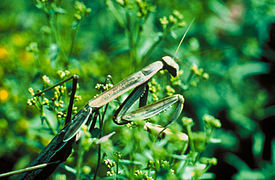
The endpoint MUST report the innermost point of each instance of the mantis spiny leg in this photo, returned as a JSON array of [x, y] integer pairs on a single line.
[[128, 102], [153, 109], [122, 117]]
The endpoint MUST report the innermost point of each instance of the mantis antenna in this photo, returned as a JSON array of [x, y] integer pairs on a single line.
[[183, 37]]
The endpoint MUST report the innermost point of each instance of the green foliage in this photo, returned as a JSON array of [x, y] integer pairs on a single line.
[[46, 41]]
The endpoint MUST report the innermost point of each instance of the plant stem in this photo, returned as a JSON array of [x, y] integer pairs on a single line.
[[99, 146], [75, 30], [117, 161], [189, 78], [50, 126], [189, 132], [98, 161], [130, 33], [52, 23], [11, 173], [47, 120], [80, 154]]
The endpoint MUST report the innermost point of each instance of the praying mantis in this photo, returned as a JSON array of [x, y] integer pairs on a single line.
[[59, 149]]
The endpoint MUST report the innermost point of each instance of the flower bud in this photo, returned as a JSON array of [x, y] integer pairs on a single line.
[[86, 170], [46, 80], [187, 121], [31, 91]]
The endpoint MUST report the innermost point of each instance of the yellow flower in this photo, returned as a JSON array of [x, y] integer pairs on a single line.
[[164, 21], [45, 141], [4, 95], [18, 40], [60, 176], [61, 74], [21, 126], [46, 80], [31, 91], [172, 19], [121, 2], [86, 169], [3, 53], [26, 58]]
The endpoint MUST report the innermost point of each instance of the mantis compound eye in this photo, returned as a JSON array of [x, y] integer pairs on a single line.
[[170, 65]]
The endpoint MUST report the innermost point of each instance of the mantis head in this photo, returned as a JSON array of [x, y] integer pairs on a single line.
[[170, 65]]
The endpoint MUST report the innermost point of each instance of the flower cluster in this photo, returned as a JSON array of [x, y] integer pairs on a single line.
[[50, 7], [81, 10], [209, 161], [87, 140], [139, 174], [211, 121], [161, 165], [103, 87], [63, 74], [175, 19], [32, 47], [154, 87], [199, 73], [169, 90], [198, 142], [142, 7], [58, 102], [110, 164]]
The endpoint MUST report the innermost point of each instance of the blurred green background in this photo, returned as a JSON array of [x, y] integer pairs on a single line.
[[231, 40]]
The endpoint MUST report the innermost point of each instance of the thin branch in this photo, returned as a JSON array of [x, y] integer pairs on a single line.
[[25, 169], [183, 37]]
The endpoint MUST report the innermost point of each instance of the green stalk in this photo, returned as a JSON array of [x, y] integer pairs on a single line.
[[52, 23], [189, 132], [50, 126], [189, 78], [117, 161], [74, 32], [46, 119], [130, 34], [98, 161], [99, 146], [80, 154]]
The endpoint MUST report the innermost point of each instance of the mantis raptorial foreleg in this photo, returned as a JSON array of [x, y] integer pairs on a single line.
[[144, 112], [151, 110]]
